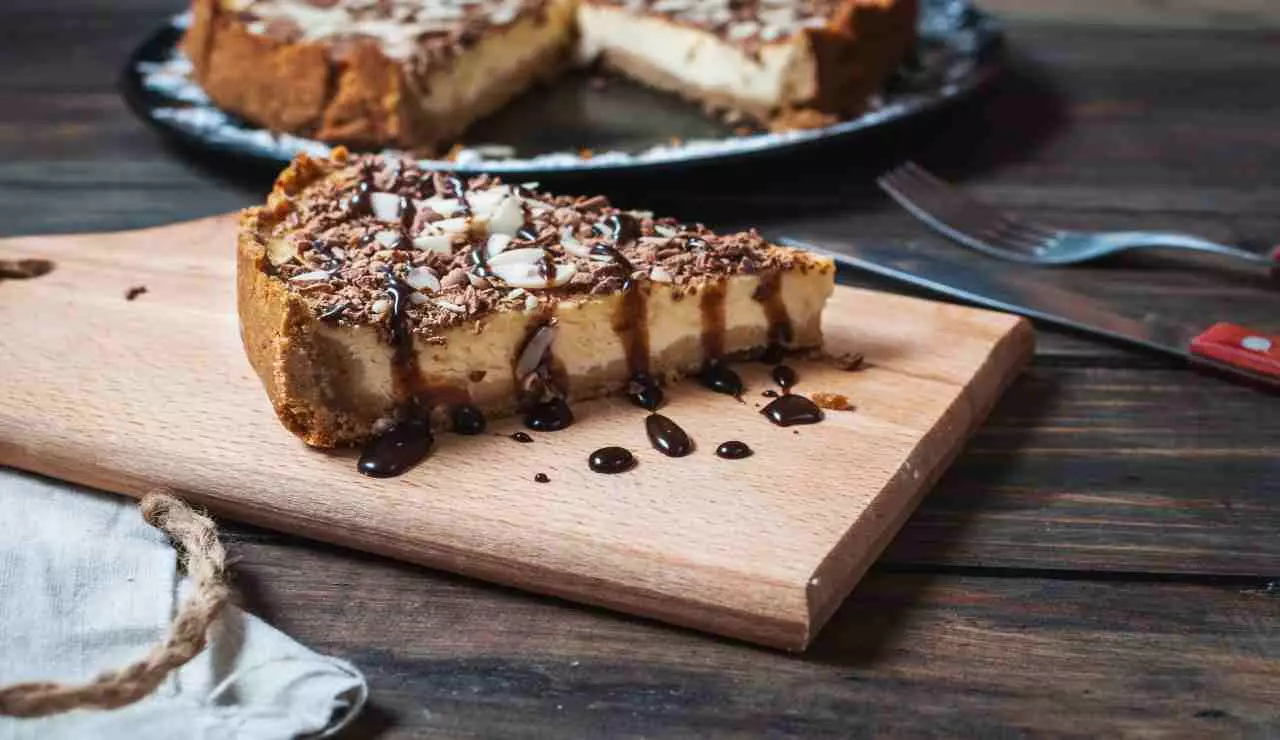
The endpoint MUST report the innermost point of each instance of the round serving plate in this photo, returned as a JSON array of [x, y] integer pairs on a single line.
[[582, 123]]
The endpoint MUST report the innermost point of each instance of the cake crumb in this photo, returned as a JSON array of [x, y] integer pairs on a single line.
[[832, 401], [134, 292], [849, 361]]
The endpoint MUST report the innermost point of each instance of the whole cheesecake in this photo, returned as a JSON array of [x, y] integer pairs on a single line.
[[416, 73], [374, 294]]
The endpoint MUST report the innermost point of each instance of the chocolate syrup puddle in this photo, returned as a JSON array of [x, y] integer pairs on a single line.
[[548, 416], [542, 478], [734, 450], [396, 450], [791, 409], [611, 460], [645, 392], [785, 377], [667, 437], [468, 419]]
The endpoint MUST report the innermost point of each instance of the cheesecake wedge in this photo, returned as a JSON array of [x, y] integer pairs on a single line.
[[373, 293]]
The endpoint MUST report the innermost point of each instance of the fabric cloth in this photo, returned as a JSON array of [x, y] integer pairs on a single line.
[[86, 586]]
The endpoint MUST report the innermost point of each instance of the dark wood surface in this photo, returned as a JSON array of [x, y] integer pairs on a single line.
[[1104, 559]]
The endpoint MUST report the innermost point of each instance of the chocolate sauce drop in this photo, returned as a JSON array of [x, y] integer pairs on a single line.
[[408, 212], [769, 393], [458, 188], [721, 378], [467, 419], [542, 478], [667, 437], [359, 204], [611, 460], [734, 450], [785, 377], [527, 233], [333, 313], [623, 228], [396, 450], [791, 409], [521, 437], [645, 392], [549, 416]]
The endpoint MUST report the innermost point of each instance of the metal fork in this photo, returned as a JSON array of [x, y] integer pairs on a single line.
[[975, 224]]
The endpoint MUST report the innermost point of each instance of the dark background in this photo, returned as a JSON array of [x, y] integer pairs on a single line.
[[1105, 556]]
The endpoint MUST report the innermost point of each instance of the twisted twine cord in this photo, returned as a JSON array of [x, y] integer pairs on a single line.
[[206, 562]]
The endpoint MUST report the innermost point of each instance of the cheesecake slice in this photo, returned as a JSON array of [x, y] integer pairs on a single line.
[[373, 293], [415, 74], [412, 74], [783, 64]]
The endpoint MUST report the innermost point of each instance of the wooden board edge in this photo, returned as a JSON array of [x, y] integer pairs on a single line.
[[836, 577]]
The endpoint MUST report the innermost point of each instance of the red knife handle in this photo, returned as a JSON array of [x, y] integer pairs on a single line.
[[1240, 348]]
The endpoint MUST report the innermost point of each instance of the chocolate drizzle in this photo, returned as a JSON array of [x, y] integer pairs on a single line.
[[458, 189], [333, 313], [713, 322], [734, 450], [631, 324], [667, 437], [408, 442], [611, 460], [769, 294], [792, 409], [408, 212]]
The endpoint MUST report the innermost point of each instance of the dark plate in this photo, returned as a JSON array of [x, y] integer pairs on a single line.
[[626, 126]]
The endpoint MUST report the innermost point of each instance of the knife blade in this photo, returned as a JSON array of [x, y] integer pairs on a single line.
[[1242, 354]]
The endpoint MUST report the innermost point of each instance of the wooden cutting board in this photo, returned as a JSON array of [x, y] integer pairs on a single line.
[[129, 395]]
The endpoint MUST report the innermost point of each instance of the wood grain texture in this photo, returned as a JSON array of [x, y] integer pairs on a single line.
[[914, 654], [128, 395]]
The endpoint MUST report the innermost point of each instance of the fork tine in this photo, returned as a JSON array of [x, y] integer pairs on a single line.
[[959, 215], [1031, 227]]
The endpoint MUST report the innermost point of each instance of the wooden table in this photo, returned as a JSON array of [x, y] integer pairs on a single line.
[[1104, 558]]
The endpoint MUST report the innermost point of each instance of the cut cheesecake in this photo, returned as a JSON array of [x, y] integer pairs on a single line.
[[372, 292], [416, 73]]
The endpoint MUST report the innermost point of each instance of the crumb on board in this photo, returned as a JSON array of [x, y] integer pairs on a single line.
[[832, 401], [134, 292]]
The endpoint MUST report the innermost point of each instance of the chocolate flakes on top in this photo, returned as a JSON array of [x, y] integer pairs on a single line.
[[747, 22], [469, 247]]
